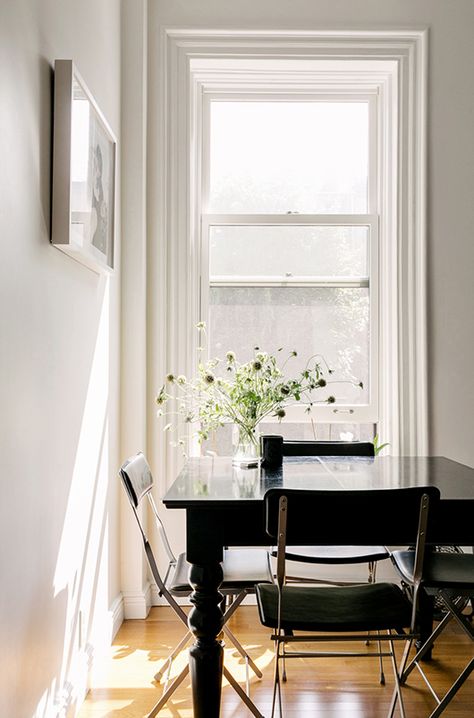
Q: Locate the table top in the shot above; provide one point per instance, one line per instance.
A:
(207, 481)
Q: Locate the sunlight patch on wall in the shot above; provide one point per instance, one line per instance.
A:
(82, 563)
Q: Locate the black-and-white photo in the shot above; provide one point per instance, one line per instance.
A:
(83, 206)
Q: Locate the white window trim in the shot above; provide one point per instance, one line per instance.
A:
(187, 63)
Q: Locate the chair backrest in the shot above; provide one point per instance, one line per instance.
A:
(137, 480)
(298, 516)
(356, 517)
(328, 448)
(295, 516)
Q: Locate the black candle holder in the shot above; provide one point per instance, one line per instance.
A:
(271, 446)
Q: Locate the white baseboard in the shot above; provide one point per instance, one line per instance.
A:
(116, 616)
(136, 604)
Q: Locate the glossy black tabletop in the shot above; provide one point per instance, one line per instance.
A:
(213, 480)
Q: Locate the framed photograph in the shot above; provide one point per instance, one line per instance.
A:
(84, 159)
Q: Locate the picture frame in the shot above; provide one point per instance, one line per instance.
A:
(84, 168)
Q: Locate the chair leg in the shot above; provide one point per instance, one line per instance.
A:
(425, 647)
(242, 695)
(283, 659)
(463, 621)
(382, 674)
(176, 650)
(276, 683)
(242, 651)
(246, 658)
(169, 692)
(398, 674)
(447, 698)
(372, 566)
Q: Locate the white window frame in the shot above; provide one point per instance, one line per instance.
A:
(338, 412)
(391, 63)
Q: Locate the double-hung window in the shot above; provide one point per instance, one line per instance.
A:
(289, 243)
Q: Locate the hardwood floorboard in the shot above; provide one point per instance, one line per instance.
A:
(123, 685)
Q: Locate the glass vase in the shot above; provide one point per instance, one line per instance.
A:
(246, 446)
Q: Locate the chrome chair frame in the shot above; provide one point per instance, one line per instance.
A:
(450, 579)
(394, 633)
(137, 490)
(339, 555)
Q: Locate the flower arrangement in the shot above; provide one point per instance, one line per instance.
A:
(228, 391)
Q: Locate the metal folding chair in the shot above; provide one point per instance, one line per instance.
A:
(450, 578)
(243, 568)
(333, 555)
(341, 613)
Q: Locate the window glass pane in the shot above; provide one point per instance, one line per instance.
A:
(296, 250)
(332, 322)
(276, 157)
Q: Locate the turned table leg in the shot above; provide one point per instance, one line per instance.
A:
(206, 655)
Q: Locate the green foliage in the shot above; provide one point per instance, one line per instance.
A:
(228, 391)
(378, 447)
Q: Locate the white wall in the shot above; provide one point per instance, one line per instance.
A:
(60, 322)
(59, 371)
(450, 246)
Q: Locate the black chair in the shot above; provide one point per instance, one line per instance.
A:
(344, 611)
(327, 448)
(243, 568)
(450, 578)
(332, 555)
(335, 554)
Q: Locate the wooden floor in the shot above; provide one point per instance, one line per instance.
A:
(123, 685)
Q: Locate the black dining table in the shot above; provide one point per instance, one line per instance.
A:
(225, 507)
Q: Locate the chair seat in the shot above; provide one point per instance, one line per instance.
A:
(335, 554)
(243, 569)
(441, 570)
(366, 607)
